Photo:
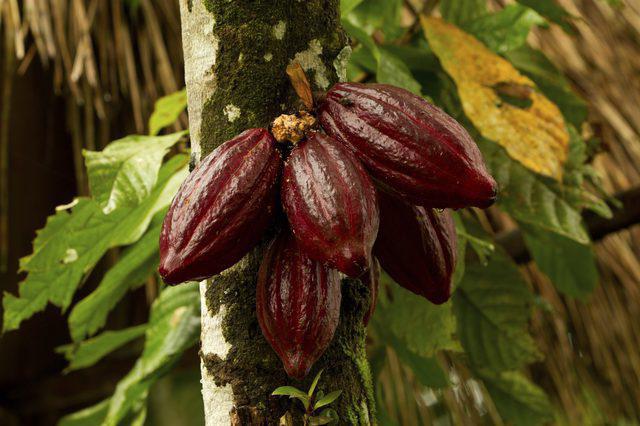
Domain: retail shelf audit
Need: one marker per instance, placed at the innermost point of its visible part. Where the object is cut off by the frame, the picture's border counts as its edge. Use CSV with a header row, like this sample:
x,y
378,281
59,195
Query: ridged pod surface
x,y
222,209
331,204
417,247
409,145
372,281
297,304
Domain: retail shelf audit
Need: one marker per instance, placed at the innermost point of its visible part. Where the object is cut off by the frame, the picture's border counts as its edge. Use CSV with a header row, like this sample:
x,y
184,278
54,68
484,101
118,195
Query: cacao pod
x,y
417,247
372,280
331,204
222,209
297,304
410,146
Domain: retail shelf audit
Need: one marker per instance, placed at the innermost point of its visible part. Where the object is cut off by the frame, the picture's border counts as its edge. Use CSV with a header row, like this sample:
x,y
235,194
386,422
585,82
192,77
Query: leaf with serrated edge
x,y
87,353
125,172
90,233
535,135
136,264
492,306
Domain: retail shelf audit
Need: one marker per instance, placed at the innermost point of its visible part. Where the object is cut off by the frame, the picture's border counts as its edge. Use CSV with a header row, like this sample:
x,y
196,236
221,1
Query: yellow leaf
x,y
534,133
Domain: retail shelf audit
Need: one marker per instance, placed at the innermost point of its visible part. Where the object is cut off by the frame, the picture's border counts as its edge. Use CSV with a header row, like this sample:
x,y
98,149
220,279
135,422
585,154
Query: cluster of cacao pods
x,y
373,180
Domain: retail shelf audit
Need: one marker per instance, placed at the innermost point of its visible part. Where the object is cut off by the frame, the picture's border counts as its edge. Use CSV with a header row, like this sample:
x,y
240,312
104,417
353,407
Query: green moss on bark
x,y
253,368
250,78
244,78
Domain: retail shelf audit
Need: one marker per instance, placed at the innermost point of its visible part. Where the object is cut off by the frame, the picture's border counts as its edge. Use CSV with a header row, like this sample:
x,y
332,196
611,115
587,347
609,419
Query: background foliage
x,y
477,346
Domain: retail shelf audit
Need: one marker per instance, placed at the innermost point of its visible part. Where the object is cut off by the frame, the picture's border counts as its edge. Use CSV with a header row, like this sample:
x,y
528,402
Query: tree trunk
x,y
235,55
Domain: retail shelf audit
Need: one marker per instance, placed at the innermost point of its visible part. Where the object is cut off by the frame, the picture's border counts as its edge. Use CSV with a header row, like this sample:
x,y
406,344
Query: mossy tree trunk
x,y
236,53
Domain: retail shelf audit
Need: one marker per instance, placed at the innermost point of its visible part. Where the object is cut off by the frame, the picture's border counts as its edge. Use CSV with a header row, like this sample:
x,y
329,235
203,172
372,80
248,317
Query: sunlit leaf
x,y
125,172
551,10
316,379
89,352
505,30
536,134
136,264
88,233
492,306
174,326
347,6
90,416
167,110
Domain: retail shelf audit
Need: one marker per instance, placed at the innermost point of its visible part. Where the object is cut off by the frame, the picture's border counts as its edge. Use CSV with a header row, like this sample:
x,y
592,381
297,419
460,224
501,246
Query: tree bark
x,y
235,55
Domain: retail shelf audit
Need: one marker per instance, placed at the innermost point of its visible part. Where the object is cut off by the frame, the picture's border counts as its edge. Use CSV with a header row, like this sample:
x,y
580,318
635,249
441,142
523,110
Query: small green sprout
x,y
315,405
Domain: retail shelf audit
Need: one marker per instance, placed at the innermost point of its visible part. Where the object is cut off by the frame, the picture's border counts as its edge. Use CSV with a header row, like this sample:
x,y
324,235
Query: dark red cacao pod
x,y
297,304
417,247
372,281
222,209
409,145
331,204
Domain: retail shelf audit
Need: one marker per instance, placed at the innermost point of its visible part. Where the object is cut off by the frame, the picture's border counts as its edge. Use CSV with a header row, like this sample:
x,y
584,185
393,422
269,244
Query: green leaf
x,y
550,10
320,420
530,197
174,326
289,391
535,65
569,265
292,392
418,58
388,67
89,352
423,327
125,172
519,402
328,399
167,110
136,264
90,416
347,6
473,233
505,30
458,272
492,306
72,243
391,70
312,388
460,12
383,15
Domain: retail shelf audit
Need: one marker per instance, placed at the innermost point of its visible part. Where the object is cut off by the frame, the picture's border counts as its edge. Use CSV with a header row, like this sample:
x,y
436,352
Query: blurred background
x,y
77,74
